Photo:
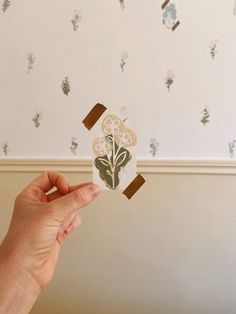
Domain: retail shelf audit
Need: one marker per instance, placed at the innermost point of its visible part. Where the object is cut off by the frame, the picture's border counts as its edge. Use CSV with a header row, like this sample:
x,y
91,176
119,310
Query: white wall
x,y
90,57
170,250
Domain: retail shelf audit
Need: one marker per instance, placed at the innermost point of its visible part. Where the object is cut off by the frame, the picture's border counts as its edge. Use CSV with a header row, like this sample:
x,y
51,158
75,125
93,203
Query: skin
x,y
40,223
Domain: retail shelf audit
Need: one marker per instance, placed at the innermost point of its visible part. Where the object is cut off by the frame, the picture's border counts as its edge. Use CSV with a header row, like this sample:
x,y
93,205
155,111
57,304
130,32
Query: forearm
x,y
18,289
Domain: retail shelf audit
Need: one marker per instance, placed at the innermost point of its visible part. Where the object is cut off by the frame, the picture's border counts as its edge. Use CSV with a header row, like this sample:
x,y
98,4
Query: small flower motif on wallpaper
x,y
5,5
205,116
170,15
74,146
213,48
231,146
124,57
124,113
37,118
5,148
154,145
76,20
31,61
122,4
169,79
65,86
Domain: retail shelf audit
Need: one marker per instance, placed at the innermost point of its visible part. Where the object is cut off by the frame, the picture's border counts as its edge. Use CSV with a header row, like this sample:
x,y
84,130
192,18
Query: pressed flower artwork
x,y
114,153
124,57
231,146
74,146
169,15
31,60
169,80
37,118
154,145
5,5
5,148
65,86
76,20
205,117
213,48
122,4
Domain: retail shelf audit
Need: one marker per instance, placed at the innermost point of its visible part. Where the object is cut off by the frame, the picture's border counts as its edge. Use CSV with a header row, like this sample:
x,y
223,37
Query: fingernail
x,y
95,190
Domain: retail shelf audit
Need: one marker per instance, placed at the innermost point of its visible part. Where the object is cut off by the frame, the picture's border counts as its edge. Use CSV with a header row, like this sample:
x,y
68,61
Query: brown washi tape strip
x,y
94,115
165,4
134,186
176,25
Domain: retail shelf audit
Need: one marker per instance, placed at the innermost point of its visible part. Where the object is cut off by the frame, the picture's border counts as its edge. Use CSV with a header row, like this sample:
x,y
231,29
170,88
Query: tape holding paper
x,y
165,4
134,186
176,25
93,116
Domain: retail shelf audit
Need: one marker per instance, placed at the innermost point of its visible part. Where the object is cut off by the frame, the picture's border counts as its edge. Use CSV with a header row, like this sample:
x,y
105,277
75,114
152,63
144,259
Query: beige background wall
x,y
170,250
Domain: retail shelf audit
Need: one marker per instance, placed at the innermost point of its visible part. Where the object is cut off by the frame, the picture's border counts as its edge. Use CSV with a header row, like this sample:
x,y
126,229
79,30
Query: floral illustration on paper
x,y
122,4
169,79
113,150
169,15
76,20
74,146
5,5
65,85
213,48
205,116
5,148
31,60
154,145
231,146
124,57
37,118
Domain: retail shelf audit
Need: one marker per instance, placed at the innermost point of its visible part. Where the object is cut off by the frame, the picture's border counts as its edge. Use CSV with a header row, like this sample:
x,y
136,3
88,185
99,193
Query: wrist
x,y
23,278
18,289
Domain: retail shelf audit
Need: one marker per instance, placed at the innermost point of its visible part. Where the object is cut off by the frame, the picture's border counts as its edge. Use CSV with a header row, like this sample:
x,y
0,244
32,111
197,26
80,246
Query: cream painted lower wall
x,y
169,250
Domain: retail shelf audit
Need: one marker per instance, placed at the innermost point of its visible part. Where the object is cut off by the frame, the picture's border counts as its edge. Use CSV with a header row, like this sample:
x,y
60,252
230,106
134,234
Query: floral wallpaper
x,y
170,62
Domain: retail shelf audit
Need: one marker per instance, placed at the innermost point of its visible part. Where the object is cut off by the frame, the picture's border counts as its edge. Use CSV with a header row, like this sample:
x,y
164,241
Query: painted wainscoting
x,y
169,250
143,166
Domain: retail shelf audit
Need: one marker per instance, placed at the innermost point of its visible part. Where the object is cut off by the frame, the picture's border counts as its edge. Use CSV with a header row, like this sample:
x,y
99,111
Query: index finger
x,y
47,180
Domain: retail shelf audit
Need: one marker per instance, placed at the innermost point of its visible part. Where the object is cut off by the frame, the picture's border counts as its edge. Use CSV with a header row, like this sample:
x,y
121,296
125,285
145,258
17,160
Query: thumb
x,y
69,203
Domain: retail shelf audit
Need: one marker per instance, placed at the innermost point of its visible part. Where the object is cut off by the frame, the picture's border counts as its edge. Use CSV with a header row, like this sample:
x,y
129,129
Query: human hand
x,y
41,222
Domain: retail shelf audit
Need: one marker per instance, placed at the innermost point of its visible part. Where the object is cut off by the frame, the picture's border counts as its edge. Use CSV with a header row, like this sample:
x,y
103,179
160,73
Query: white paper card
x,y
114,147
